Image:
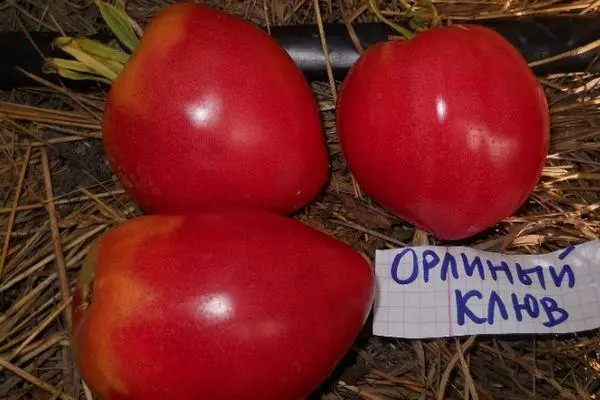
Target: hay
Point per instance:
(58, 193)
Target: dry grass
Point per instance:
(57, 194)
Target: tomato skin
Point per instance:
(212, 113)
(449, 130)
(240, 305)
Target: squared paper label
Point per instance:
(436, 291)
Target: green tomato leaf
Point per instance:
(102, 50)
(120, 24)
(99, 66)
(78, 72)
(57, 64)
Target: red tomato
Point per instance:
(449, 130)
(211, 112)
(222, 306)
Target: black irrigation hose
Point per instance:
(536, 38)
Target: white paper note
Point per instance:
(435, 291)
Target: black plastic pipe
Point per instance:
(536, 38)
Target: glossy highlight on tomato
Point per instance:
(449, 130)
(211, 113)
(237, 305)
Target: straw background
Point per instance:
(58, 193)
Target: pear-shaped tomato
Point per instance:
(219, 306)
(209, 113)
(449, 130)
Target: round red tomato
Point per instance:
(209, 113)
(449, 130)
(223, 306)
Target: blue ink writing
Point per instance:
(551, 308)
(529, 304)
(430, 260)
(463, 310)
(396, 263)
(525, 279)
(496, 303)
(558, 278)
(502, 267)
(466, 303)
(565, 252)
(487, 306)
(471, 266)
(449, 262)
